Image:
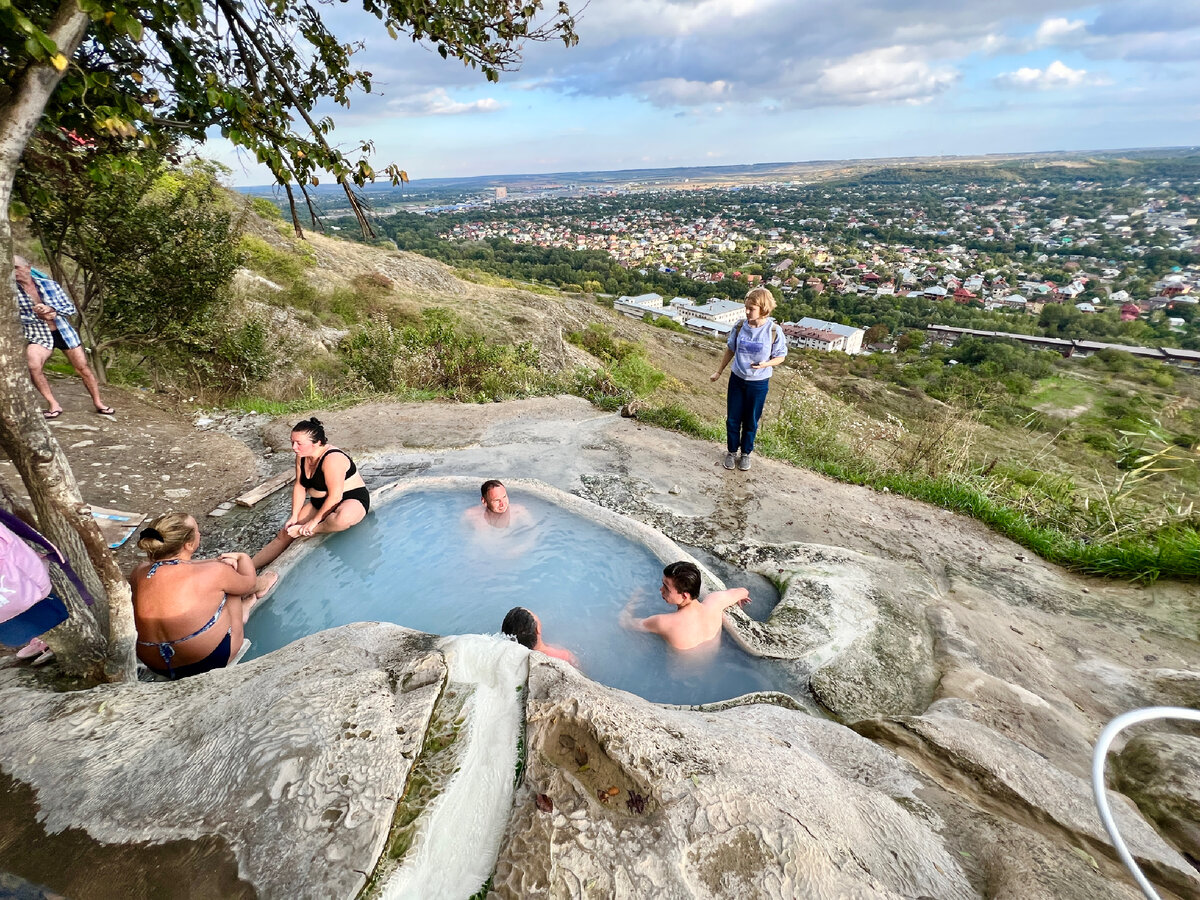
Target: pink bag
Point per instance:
(24, 576)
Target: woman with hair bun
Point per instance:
(189, 612)
(328, 495)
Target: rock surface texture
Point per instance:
(290, 765)
(965, 683)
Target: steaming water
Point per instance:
(418, 562)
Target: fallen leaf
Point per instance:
(581, 756)
(613, 791)
(544, 803)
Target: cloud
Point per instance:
(887, 75)
(1056, 76)
(1055, 32)
(437, 102)
(682, 92)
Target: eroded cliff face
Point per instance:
(964, 683)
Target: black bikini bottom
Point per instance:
(361, 494)
(218, 659)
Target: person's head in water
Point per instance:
(306, 435)
(494, 497)
(681, 583)
(522, 625)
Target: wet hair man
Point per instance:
(494, 508)
(694, 621)
(526, 629)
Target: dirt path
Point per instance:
(150, 457)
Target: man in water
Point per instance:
(694, 621)
(494, 508)
(526, 628)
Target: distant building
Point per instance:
(636, 307)
(852, 337)
(815, 338)
(724, 311)
(501, 193)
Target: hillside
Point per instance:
(1062, 455)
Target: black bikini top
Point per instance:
(317, 481)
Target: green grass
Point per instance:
(1172, 552)
(1062, 392)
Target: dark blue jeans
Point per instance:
(743, 407)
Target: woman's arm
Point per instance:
(236, 573)
(721, 368)
(299, 495)
(335, 470)
(773, 361)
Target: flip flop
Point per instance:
(35, 647)
(106, 411)
(51, 413)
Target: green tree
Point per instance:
(146, 251)
(147, 70)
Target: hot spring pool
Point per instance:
(417, 562)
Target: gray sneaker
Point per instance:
(744, 462)
(729, 460)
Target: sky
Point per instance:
(663, 83)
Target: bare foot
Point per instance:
(293, 531)
(263, 585)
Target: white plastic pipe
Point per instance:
(1100, 757)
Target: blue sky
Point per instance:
(700, 82)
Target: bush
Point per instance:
(436, 357)
(265, 209)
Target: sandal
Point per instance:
(51, 413)
(35, 647)
(106, 411)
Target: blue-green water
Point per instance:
(418, 562)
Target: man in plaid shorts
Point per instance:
(44, 308)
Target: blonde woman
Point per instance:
(189, 612)
(755, 346)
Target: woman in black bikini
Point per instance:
(189, 612)
(329, 495)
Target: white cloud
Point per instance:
(1054, 32)
(437, 102)
(1056, 76)
(885, 75)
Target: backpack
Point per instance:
(24, 576)
(28, 604)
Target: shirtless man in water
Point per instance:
(494, 508)
(525, 628)
(694, 621)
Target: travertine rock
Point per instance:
(294, 761)
(1161, 773)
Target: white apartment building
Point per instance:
(851, 342)
(636, 307)
(724, 311)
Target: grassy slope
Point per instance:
(1076, 398)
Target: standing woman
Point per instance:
(755, 346)
(328, 495)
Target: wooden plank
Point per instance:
(266, 489)
(116, 525)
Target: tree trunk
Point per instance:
(96, 642)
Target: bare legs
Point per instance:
(347, 514)
(77, 358)
(36, 356)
